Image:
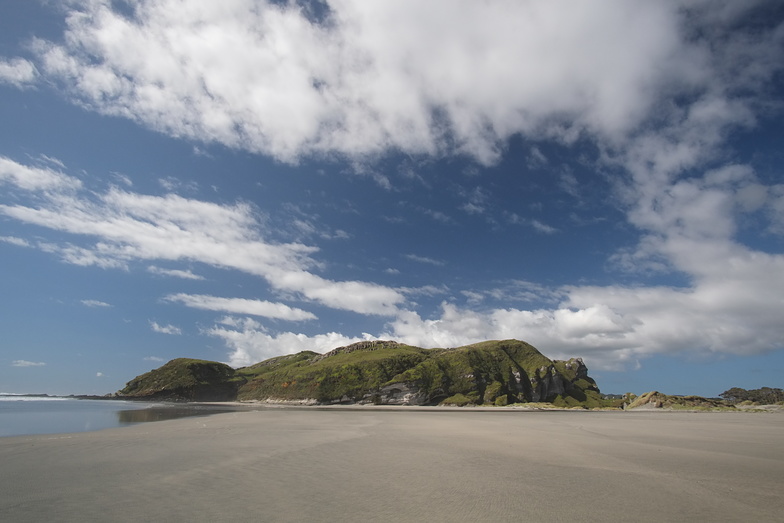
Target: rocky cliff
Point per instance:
(385, 373)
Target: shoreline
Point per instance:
(536, 407)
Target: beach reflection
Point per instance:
(163, 413)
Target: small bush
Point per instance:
(458, 400)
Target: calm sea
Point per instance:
(21, 415)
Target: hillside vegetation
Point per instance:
(385, 373)
(185, 379)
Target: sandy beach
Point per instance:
(299, 464)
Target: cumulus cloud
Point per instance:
(615, 327)
(250, 342)
(263, 77)
(18, 72)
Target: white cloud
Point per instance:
(425, 259)
(13, 240)
(734, 312)
(242, 306)
(34, 178)
(153, 358)
(543, 227)
(52, 160)
(731, 306)
(25, 363)
(250, 342)
(18, 72)
(95, 303)
(176, 273)
(131, 226)
(656, 86)
(99, 374)
(165, 329)
(262, 77)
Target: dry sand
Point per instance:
(302, 464)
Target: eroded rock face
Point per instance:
(401, 394)
(546, 384)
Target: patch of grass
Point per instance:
(458, 400)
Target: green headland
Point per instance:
(490, 373)
(384, 373)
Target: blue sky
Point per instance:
(238, 180)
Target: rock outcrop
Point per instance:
(657, 400)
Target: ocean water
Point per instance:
(22, 415)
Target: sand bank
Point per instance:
(397, 465)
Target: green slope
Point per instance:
(346, 374)
(185, 379)
(383, 372)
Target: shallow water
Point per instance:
(21, 415)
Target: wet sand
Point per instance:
(300, 464)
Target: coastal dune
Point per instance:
(365, 464)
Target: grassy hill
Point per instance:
(382, 372)
(185, 379)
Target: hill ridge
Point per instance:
(384, 372)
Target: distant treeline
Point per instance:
(765, 395)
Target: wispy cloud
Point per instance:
(543, 227)
(35, 178)
(166, 329)
(53, 161)
(25, 363)
(477, 201)
(13, 240)
(242, 306)
(425, 259)
(95, 303)
(176, 273)
(133, 226)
